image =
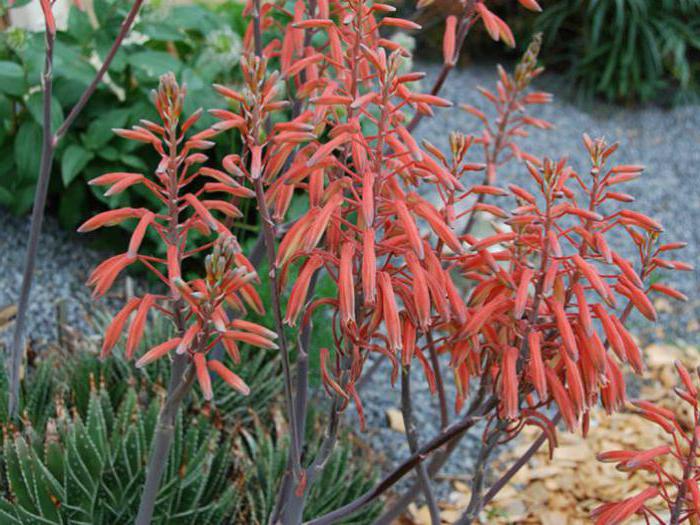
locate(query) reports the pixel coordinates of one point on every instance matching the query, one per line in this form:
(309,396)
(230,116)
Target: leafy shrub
(624,49)
(200,45)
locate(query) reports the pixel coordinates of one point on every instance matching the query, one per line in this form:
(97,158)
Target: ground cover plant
(528,321)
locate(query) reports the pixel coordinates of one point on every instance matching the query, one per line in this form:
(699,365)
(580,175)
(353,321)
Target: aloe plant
(341,481)
(79,452)
(90,469)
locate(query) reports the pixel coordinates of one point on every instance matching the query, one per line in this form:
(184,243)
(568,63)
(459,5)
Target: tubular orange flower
(139,233)
(390,311)
(561,399)
(200,364)
(297,297)
(110,218)
(138,324)
(592,276)
(509,383)
(522,293)
(369,267)
(449,40)
(564,327)
(157,352)
(410,228)
(536,366)
(421,294)
(346,286)
(229,377)
(114,330)
(251,339)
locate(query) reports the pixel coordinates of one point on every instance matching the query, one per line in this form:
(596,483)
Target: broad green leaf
(74,159)
(27,151)
(12,79)
(35,105)
(152,64)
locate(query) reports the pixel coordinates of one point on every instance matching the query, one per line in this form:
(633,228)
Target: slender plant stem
(439,383)
(515,467)
(49,143)
(268,232)
(285,494)
(85,97)
(476,500)
(47,151)
(179,387)
(412,439)
(437,462)
(457,428)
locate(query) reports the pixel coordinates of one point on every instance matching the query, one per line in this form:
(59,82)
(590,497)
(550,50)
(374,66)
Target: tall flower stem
(182,373)
(50,142)
(162,441)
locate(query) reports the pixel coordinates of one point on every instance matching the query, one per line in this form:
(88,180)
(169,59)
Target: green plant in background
(80,450)
(624,50)
(198,44)
(341,481)
(89,468)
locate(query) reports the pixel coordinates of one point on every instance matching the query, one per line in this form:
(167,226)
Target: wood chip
(394,419)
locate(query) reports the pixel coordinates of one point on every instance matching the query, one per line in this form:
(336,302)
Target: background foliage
(626,51)
(79,451)
(200,45)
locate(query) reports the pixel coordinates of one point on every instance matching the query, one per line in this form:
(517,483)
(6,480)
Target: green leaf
(74,160)
(71,208)
(12,79)
(99,132)
(35,105)
(152,64)
(27,144)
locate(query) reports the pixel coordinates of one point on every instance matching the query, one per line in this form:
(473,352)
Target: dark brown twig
(456,429)
(412,439)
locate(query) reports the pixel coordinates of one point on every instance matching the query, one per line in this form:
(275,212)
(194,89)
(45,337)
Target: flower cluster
(548,287)
(188,194)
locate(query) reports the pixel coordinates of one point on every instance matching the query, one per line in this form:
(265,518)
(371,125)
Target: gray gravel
(666,142)
(63,265)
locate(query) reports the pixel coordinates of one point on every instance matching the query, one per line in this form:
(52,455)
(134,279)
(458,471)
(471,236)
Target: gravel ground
(667,142)
(62,268)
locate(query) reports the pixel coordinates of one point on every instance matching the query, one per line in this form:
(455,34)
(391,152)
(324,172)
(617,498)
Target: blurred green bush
(619,50)
(625,50)
(200,45)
